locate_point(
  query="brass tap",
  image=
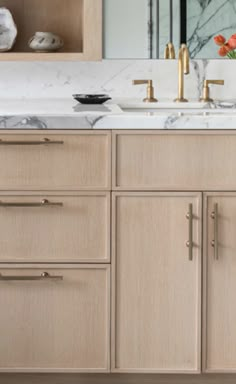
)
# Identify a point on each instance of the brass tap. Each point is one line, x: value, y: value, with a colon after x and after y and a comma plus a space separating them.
x: 150, y: 90
x: 169, y: 53
x: 184, y: 69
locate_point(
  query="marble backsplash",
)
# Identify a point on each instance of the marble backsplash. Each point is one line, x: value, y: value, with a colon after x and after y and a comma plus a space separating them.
x: 61, y: 80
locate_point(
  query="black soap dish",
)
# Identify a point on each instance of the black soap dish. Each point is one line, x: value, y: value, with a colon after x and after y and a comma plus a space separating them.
x: 92, y: 99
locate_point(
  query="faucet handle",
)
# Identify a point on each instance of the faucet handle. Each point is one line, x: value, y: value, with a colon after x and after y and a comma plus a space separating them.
x: 206, y: 89
x: 150, y: 90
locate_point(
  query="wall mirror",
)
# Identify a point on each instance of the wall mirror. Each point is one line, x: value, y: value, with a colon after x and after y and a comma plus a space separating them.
x: 140, y: 29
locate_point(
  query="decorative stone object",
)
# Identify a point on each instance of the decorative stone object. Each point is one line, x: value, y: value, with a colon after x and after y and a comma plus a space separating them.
x: 45, y: 42
x: 8, y: 30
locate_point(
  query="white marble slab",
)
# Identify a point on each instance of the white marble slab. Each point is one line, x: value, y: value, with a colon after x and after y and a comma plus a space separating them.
x: 68, y: 114
x: 61, y: 80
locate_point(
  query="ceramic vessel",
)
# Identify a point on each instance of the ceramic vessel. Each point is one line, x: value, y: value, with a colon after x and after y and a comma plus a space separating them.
x: 8, y: 30
x: 45, y: 42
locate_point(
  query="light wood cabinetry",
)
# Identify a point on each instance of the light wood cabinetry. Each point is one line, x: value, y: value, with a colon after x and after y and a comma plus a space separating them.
x: 220, y: 283
x: 156, y: 288
x: 77, y: 160
x: 75, y: 229
x: 181, y: 160
x: 55, y: 208
x: 50, y: 324
x: 160, y: 270
x: 77, y: 22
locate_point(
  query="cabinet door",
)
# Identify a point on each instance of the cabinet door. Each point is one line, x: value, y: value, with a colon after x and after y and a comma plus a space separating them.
x: 54, y: 324
x: 220, y: 283
x: 157, y: 288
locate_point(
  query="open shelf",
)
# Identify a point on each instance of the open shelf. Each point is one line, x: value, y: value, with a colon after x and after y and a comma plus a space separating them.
x: 78, y: 22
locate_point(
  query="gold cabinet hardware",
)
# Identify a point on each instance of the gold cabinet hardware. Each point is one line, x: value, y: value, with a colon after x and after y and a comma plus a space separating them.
x: 214, y: 243
x: 45, y: 141
x: 189, y: 243
x: 43, y: 277
x: 184, y: 69
x: 206, y: 90
x: 43, y: 203
x: 150, y: 90
x: 169, y: 53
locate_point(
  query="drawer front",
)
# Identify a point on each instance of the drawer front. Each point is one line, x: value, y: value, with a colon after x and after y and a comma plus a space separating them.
x: 66, y: 228
x: 63, y: 161
x: 60, y: 322
x: 174, y: 161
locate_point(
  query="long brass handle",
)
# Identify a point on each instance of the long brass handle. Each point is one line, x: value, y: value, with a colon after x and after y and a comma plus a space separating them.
x: 43, y: 277
x: 45, y: 141
x: 189, y: 243
x: 214, y: 242
x: 43, y: 203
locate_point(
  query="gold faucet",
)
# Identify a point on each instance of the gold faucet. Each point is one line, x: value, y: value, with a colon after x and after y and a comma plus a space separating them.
x: 184, y: 69
x: 150, y: 90
x: 169, y: 53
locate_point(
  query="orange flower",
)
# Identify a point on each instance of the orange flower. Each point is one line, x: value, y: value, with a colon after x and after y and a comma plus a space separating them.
x: 220, y: 40
x: 224, y: 50
x: 232, y: 42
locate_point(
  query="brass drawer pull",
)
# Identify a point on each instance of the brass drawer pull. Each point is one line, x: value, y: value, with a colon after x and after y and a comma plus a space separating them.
x: 43, y: 277
x: 43, y: 203
x: 189, y: 243
x: 214, y: 242
x: 32, y: 142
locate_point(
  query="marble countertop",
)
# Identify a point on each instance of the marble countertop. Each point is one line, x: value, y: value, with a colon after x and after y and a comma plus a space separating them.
x: 116, y: 114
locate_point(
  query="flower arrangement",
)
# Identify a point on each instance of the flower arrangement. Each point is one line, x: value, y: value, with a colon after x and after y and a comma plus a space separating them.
x: 227, y: 48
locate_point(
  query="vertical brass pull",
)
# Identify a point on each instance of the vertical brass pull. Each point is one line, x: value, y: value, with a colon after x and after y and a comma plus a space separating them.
x: 189, y: 243
x: 214, y: 243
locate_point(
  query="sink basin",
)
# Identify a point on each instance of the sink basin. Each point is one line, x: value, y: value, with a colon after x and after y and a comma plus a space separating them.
x: 180, y: 112
x: 155, y: 107
x: 191, y: 108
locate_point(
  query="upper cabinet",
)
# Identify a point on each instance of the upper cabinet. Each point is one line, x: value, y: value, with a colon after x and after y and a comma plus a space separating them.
x: 77, y: 22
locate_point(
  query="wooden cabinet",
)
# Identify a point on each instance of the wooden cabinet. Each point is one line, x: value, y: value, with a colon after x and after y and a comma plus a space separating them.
x: 52, y: 161
x: 156, y: 287
x: 55, y: 227
x: 54, y: 323
x: 55, y: 192
x: 55, y: 248
x: 180, y: 160
x: 220, y: 282
x: 77, y: 22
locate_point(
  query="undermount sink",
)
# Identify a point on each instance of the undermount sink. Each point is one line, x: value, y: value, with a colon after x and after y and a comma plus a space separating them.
x: 180, y: 112
x: 155, y: 107
x: 182, y: 109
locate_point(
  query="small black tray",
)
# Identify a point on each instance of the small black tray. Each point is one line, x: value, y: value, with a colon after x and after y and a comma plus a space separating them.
x: 92, y: 99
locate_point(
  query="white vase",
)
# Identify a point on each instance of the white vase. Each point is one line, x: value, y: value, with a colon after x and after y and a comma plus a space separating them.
x: 8, y: 30
x: 45, y: 42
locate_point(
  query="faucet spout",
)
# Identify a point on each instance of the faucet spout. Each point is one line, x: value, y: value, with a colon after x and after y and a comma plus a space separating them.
x: 184, y: 69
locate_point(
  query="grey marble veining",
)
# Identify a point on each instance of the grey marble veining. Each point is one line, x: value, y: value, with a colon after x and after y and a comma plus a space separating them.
x: 206, y: 19
x: 165, y: 115
x: 35, y: 83
x: 61, y: 80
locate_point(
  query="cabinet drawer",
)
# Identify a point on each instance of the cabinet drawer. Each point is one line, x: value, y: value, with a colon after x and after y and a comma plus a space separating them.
x: 59, y: 322
x: 174, y: 161
x: 62, y: 161
x: 67, y: 228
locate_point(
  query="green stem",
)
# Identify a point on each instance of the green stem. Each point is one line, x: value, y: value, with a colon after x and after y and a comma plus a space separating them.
x: 232, y: 55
